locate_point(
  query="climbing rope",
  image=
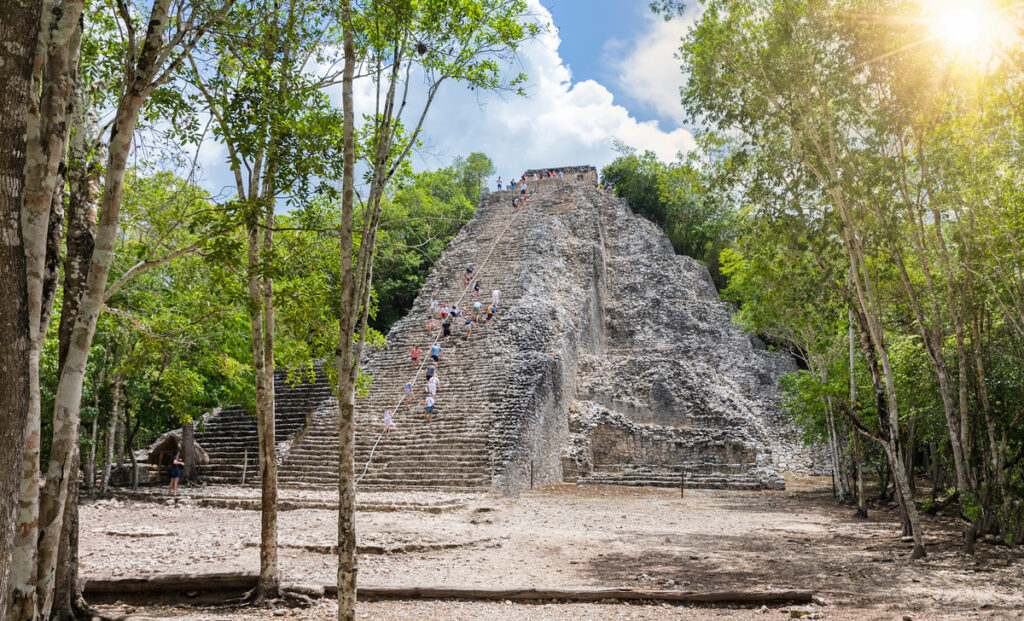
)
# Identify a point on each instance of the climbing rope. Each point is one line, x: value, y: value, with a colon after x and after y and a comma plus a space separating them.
x: 465, y: 290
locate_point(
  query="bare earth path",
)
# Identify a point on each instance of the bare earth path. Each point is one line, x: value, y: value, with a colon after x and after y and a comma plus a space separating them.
x: 569, y: 536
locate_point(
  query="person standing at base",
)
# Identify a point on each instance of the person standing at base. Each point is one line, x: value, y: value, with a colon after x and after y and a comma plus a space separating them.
x: 176, y: 466
x: 428, y: 408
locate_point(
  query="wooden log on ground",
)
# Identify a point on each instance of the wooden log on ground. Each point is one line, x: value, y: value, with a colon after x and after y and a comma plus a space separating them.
x: 171, y: 583
x: 242, y: 581
x: 579, y: 595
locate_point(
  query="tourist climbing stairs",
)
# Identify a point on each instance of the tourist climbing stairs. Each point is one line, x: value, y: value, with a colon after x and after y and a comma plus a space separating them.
x: 457, y: 449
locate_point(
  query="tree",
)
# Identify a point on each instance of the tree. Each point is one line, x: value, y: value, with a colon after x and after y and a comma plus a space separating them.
x: 807, y: 108
x: 18, y: 31
x: 281, y: 133
x: 443, y: 41
x: 417, y: 223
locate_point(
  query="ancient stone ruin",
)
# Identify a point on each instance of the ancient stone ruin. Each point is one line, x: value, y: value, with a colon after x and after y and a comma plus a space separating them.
x: 611, y: 359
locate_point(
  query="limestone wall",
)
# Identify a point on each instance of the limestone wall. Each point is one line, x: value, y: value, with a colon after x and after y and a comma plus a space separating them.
x: 629, y: 360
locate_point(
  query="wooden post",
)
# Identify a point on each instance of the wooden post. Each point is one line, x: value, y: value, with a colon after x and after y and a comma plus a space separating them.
x: 682, y: 483
x: 245, y: 463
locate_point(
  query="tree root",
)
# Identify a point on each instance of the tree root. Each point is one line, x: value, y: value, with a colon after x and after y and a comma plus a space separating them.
x: 288, y: 597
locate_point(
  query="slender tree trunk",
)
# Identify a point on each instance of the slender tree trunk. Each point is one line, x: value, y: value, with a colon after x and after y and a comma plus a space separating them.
x: 908, y: 454
x: 188, y: 452
x: 19, y: 30
x: 90, y: 466
x: 112, y: 431
x: 119, y: 443
x: 134, y: 462
x: 862, y: 501
x: 833, y: 441
x: 873, y: 344
x: 347, y: 568
x: 261, y: 301
x: 66, y: 591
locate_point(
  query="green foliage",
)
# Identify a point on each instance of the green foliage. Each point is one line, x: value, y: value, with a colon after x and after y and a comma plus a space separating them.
x: 417, y: 224
x: 680, y: 199
x: 877, y: 173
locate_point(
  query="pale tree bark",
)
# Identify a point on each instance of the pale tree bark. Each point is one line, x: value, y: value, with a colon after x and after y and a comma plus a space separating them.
x: 885, y: 399
x: 148, y: 69
x: 862, y: 503
x: 119, y: 443
x: 865, y: 298
x: 54, y: 70
x: 90, y: 466
x: 19, y: 30
x: 68, y: 601
x: 347, y: 567
x: 53, y: 495
x: 112, y: 433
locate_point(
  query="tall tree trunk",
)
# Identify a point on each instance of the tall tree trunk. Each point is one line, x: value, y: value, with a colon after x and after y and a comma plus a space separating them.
x: 19, y: 29
x: 862, y: 501
x: 112, y: 431
x: 67, y: 595
x: 90, y: 466
x: 188, y: 452
x: 55, y: 68
x: 873, y: 346
x: 347, y: 568
x: 119, y: 443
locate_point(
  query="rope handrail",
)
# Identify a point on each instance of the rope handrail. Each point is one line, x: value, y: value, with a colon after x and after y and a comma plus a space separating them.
x: 465, y: 290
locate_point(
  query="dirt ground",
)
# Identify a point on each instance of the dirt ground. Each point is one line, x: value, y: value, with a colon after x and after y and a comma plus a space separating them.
x: 572, y: 536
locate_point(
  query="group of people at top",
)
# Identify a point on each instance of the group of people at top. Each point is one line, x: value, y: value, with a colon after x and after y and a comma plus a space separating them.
x: 521, y: 184
x: 453, y: 320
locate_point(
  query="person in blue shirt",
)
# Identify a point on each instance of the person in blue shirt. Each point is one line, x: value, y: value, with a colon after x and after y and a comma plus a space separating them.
x: 435, y: 353
x: 176, y: 466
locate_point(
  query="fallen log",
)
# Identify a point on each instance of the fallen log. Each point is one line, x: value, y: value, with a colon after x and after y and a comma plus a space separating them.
x: 171, y: 583
x: 241, y: 581
x: 586, y: 594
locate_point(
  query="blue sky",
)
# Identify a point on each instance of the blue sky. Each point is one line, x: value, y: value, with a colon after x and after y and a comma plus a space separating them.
x: 604, y: 73
x: 594, y: 35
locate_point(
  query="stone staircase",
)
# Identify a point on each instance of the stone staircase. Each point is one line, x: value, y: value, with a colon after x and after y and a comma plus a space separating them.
x: 477, y: 393
x: 231, y: 439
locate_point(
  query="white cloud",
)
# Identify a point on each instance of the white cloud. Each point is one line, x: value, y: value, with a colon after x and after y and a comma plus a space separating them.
x: 650, y: 72
x: 559, y: 123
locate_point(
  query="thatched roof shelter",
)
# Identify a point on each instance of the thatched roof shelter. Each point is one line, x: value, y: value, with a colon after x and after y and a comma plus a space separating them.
x: 161, y: 451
